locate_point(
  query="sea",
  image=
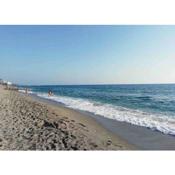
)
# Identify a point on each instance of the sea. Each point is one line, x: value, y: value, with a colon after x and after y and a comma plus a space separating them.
x: 151, y: 105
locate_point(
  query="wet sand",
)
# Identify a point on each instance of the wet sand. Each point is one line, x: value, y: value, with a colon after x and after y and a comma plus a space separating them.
x: 30, y: 124
x: 141, y: 137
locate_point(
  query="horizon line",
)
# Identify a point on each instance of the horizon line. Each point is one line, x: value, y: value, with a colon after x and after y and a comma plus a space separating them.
x: 96, y: 84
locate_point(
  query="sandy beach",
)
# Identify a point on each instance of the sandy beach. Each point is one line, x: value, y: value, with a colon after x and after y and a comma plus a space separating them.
x: 29, y: 124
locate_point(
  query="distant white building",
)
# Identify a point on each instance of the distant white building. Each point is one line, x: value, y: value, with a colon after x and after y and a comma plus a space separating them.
x: 5, y: 82
x: 9, y: 83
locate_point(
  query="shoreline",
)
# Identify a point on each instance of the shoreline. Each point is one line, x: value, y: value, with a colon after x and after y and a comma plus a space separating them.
x: 114, y: 135
x: 29, y: 124
x: 140, y: 137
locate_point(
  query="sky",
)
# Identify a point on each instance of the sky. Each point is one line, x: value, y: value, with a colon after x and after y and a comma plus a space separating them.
x: 43, y: 55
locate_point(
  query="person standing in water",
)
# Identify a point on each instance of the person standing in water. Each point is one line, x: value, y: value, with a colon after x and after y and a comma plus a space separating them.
x: 50, y: 93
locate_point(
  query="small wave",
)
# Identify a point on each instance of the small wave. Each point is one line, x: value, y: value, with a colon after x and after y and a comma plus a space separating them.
x: 144, y: 98
x: 162, y: 123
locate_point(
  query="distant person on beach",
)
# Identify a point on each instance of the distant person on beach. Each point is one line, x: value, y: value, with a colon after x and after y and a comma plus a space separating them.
x: 7, y: 87
x: 26, y: 91
x: 50, y: 93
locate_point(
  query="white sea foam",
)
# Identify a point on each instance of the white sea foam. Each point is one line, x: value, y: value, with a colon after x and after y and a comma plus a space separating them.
x: 163, y: 123
x: 24, y: 91
x: 21, y: 90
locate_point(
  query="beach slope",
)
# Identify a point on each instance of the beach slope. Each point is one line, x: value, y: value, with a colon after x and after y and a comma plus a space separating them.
x: 29, y: 124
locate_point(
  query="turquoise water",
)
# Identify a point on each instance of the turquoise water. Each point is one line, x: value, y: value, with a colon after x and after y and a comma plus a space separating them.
x: 151, y: 106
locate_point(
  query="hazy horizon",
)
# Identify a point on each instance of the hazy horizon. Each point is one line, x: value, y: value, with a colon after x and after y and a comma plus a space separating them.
x: 95, y: 84
x: 87, y: 55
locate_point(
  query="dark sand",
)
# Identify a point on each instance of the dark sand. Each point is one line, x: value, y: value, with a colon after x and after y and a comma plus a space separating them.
x: 143, y: 138
x: 29, y: 124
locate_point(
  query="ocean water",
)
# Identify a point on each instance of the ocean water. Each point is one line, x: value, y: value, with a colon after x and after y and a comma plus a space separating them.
x: 151, y: 106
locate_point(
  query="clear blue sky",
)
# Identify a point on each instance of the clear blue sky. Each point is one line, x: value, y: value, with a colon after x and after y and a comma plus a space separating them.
x: 87, y: 54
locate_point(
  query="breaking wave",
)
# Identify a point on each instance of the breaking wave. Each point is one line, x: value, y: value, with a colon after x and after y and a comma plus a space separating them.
x: 159, y: 122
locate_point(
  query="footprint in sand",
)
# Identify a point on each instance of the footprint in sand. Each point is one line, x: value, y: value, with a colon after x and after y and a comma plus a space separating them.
x: 82, y: 125
x: 109, y: 142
